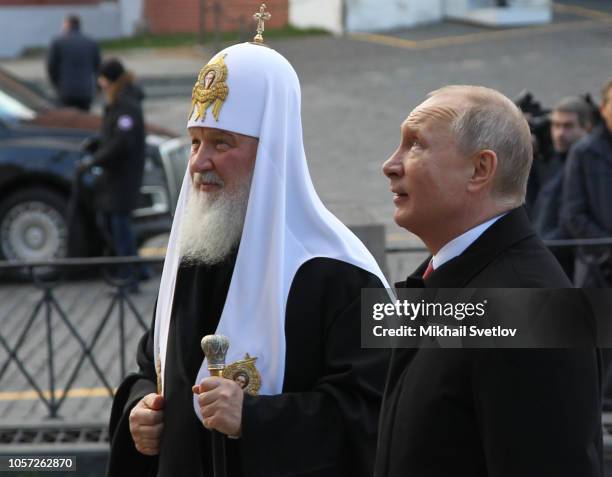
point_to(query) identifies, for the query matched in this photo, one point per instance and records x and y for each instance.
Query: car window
(23, 93)
(11, 108)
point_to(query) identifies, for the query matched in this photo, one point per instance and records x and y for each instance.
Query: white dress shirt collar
(458, 245)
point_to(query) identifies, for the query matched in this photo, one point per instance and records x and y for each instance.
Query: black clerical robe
(323, 424)
(493, 412)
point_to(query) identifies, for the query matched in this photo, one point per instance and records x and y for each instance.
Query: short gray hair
(577, 106)
(489, 120)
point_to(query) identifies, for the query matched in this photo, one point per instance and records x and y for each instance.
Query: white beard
(212, 224)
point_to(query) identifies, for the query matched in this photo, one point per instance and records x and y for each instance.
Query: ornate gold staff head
(261, 18)
(215, 348)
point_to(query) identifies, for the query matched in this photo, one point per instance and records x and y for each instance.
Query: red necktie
(428, 270)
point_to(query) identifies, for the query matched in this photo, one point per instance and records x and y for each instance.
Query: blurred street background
(358, 88)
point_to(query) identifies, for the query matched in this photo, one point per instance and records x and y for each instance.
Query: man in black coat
(121, 155)
(72, 62)
(459, 178)
(587, 197)
(570, 120)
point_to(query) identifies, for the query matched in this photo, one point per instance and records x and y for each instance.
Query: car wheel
(33, 226)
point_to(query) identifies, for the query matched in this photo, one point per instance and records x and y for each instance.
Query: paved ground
(92, 320)
(356, 91)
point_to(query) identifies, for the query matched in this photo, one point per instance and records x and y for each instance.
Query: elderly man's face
(427, 173)
(221, 166)
(220, 160)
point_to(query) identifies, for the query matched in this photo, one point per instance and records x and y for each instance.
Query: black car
(43, 214)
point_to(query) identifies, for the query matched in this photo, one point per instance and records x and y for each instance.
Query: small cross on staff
(261, 17)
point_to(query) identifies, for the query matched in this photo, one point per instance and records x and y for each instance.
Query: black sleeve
(124, 458)
(538, 411)
(575, 214)
(329, 429)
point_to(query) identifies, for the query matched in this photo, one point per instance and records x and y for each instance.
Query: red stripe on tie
(428, 270)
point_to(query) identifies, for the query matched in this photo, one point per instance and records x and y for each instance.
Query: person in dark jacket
(587, 198)
(121, 155)
(570, 120)
(587, 211)
(72, 62)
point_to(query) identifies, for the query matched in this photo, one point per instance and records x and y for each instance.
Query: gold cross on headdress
(261, 17)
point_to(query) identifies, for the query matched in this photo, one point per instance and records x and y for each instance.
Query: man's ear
(485, 167)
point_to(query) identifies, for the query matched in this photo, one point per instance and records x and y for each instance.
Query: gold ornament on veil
(245, 374)
(209, 89)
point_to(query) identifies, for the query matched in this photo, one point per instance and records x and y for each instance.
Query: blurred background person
(121, 155)
(570, 120)
(72, 63)
(587, 197)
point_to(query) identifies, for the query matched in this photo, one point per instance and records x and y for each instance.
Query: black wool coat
(587, 199)
(492, 412)
(323, 424)
(72, 64)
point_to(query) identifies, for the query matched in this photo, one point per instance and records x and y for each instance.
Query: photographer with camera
(570, 121)
(587, 197)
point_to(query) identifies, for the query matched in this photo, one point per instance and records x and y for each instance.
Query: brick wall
(46, 3)
(183, 16)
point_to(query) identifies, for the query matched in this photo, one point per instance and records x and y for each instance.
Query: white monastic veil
(286, 223)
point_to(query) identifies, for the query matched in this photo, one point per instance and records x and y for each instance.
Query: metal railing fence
(47, 311)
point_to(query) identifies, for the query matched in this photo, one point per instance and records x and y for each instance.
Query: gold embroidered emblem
(245, 374)
(210, 89)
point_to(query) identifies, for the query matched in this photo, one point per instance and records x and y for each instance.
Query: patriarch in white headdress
(272, 211)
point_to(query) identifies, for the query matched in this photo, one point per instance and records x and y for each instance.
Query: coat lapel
(458, 272)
